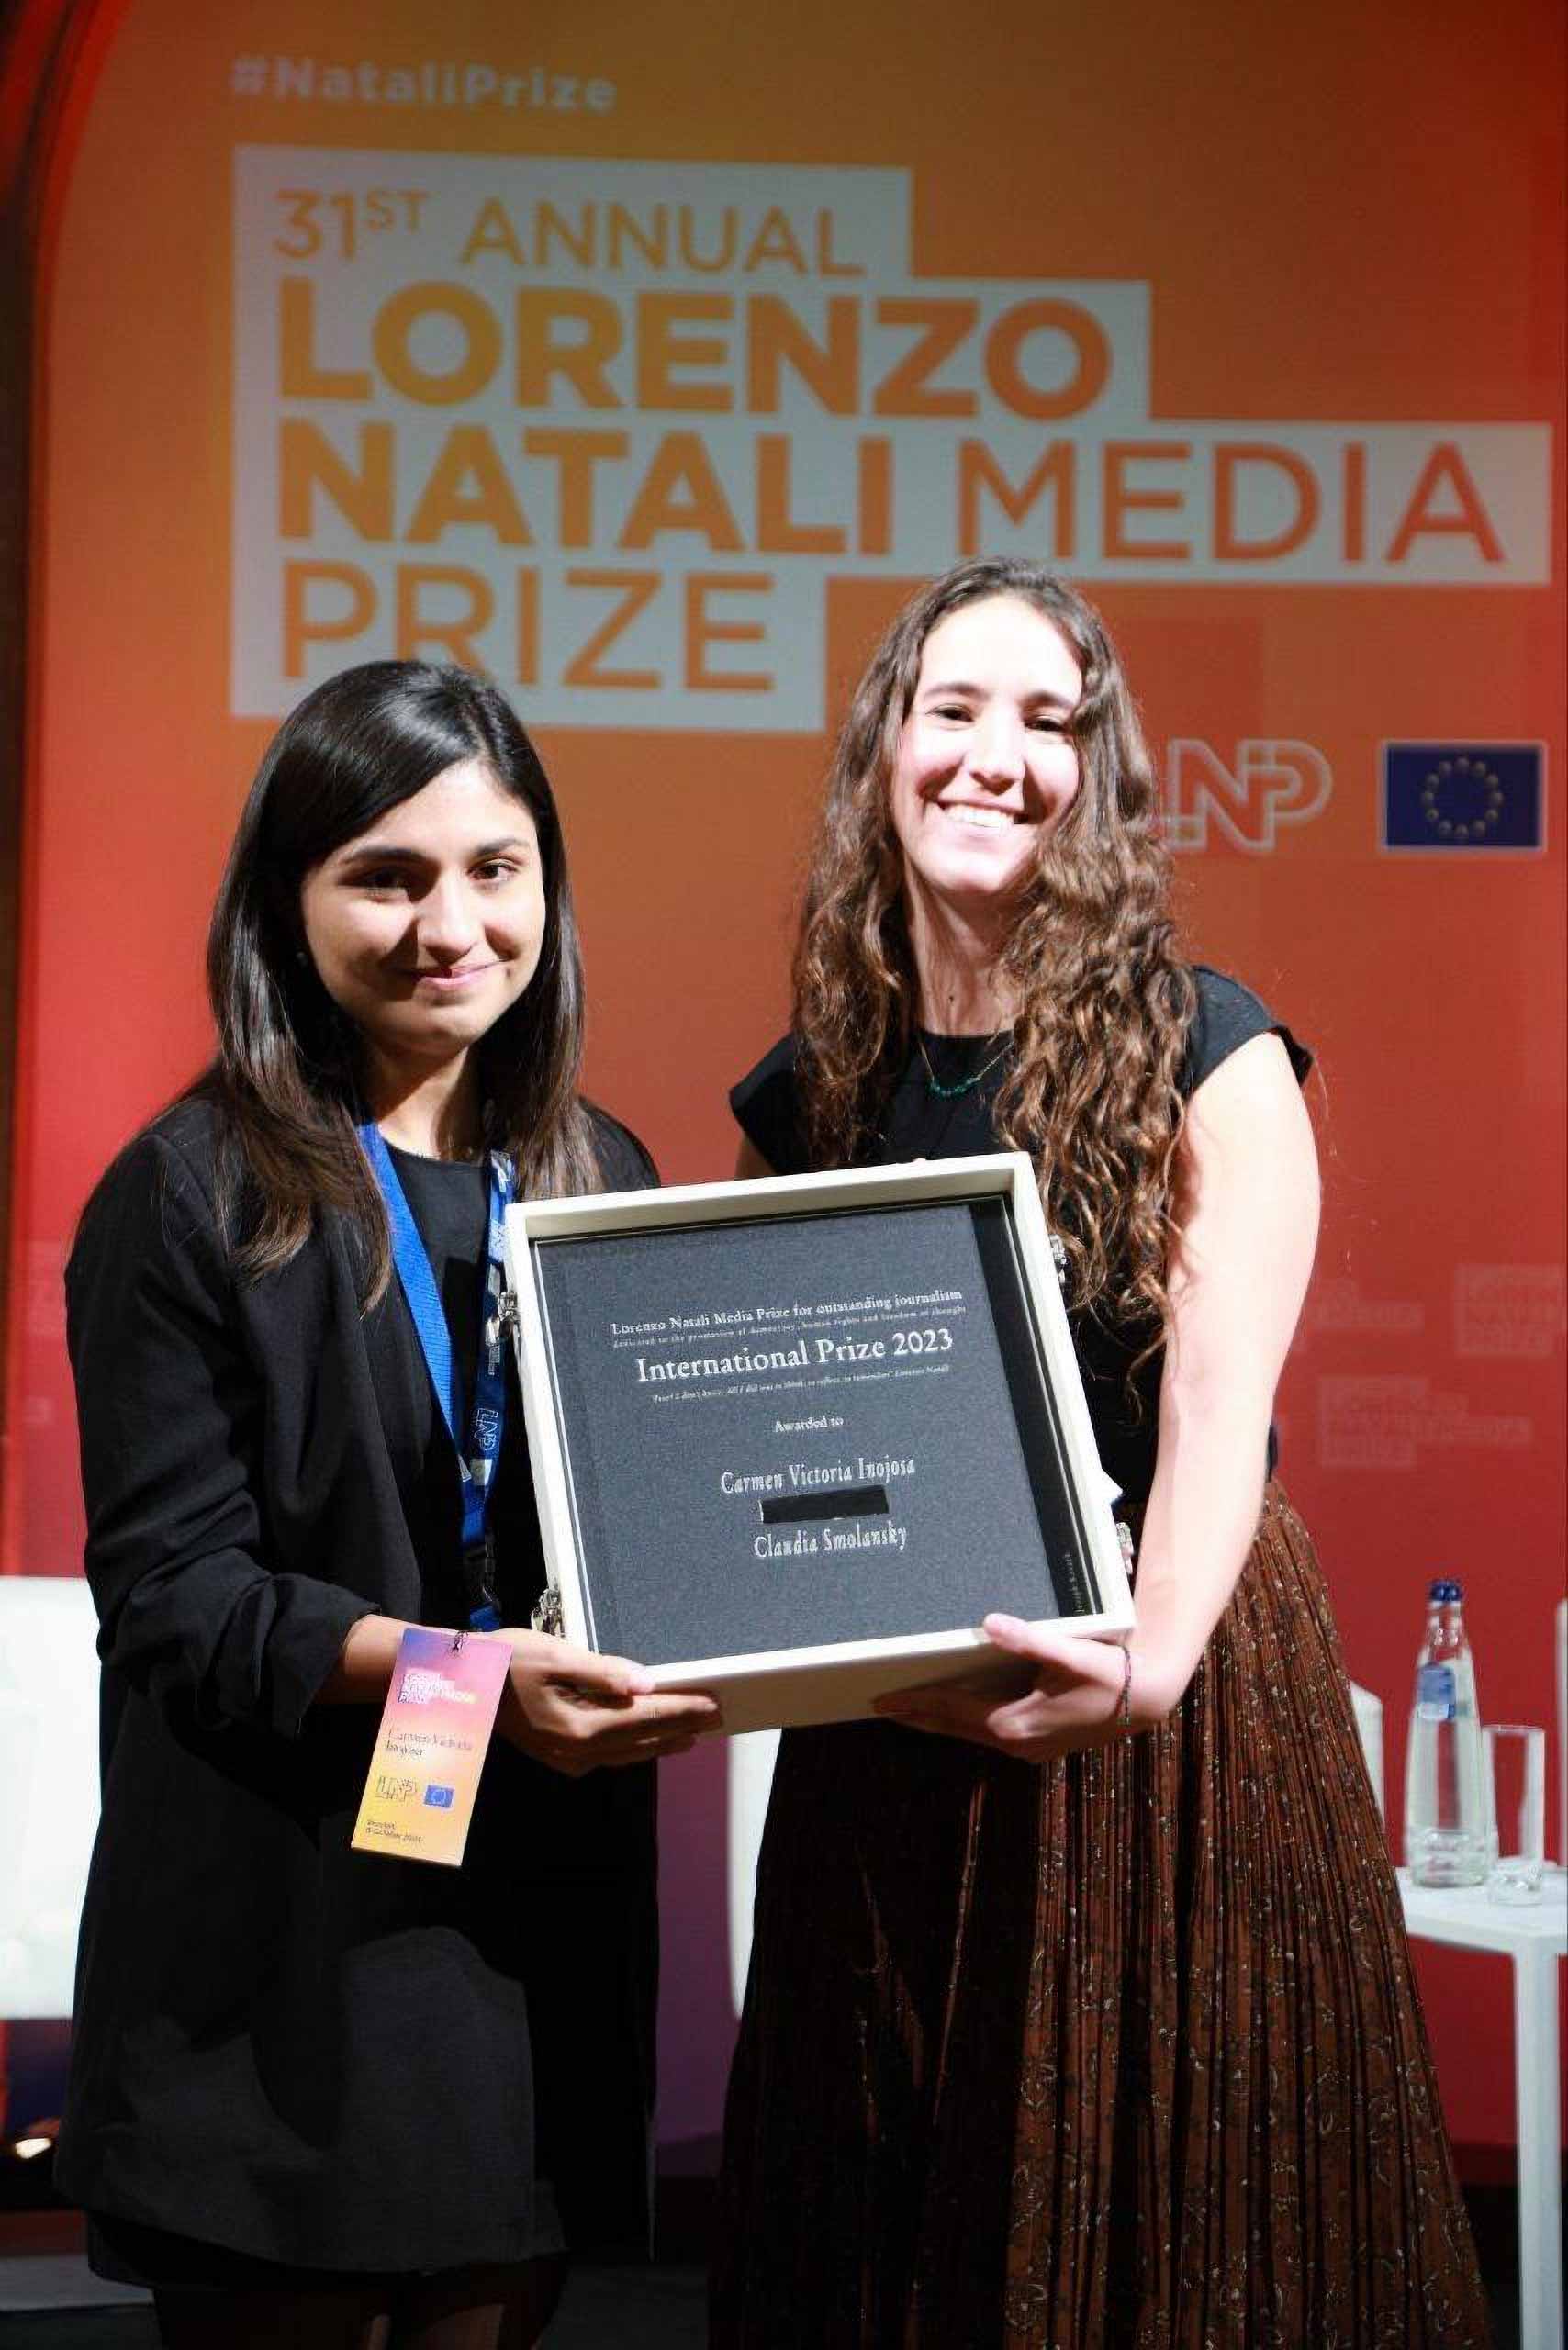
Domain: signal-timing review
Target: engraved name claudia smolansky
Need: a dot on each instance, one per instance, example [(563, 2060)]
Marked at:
[(801, 1541)]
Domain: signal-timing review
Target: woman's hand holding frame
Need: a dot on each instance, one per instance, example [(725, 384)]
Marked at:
[(575, 1711)]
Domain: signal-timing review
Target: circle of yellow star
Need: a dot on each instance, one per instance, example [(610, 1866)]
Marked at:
[(1436, 795)]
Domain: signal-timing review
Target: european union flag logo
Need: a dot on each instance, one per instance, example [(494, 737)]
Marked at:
[(1462, 796), (440, 1797)]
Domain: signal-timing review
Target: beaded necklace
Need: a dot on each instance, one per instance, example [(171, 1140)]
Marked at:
[(966, 1085)]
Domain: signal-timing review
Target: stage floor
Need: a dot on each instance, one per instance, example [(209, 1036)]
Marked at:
[(53, 2303), (50, 2301)]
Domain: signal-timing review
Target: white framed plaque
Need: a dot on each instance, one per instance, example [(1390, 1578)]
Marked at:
[(791, 1439)]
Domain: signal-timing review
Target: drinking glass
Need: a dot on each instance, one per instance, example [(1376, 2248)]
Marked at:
[(1516, 1781)]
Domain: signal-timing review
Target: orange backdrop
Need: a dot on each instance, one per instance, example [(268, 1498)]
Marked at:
[(652, 371)]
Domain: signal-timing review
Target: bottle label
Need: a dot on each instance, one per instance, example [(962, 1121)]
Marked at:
[(1434, 1694)]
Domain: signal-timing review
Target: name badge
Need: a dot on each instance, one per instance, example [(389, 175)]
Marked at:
[(435, 1726)]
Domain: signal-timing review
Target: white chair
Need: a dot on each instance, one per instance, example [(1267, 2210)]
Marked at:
[(49, 1770), (751, 1760)]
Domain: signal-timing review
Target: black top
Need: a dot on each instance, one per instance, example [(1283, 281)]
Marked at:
[(282, 2047), (919, 1123), (451, 1204)]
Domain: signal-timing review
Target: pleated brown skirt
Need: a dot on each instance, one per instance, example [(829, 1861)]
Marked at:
[(1123, 2050)]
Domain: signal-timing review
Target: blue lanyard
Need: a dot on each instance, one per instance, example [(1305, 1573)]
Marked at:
[(476, 1462)]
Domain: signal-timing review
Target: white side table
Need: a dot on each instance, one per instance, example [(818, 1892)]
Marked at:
[(1535, 1937)]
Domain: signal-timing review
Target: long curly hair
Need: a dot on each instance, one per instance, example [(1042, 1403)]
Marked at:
[(284, 1081), (1104, 997)]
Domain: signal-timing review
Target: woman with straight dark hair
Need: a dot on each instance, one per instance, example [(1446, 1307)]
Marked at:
[(1082, 2021), (319, 2096)]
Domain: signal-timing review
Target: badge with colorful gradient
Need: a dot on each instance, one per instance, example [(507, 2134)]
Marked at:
[(424, 1774)]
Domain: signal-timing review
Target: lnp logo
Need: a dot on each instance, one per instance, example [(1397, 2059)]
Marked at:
[(1460, 798), (1271, 783)]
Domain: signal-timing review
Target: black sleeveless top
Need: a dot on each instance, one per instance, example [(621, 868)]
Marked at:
[(919, 1123)]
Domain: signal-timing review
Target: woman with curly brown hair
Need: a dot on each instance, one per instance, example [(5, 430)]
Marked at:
[(1084, 2019)]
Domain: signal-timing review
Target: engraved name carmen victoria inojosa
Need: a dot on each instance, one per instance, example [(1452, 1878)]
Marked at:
[(831, 1489)]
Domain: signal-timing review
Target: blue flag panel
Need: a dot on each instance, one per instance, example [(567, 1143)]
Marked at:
[(1460, 797)]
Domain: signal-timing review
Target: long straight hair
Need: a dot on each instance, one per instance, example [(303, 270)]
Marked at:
[(285, 1083)]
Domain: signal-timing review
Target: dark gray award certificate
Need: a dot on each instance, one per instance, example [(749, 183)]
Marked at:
[(781, 1431)]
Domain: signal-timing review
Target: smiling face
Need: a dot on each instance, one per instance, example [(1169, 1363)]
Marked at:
[(987, 766), (427, 927)]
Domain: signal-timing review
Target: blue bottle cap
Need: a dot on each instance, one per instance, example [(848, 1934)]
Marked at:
[(1445, 1591)]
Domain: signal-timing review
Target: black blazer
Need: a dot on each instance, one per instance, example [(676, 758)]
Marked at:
[(284, 2047)]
